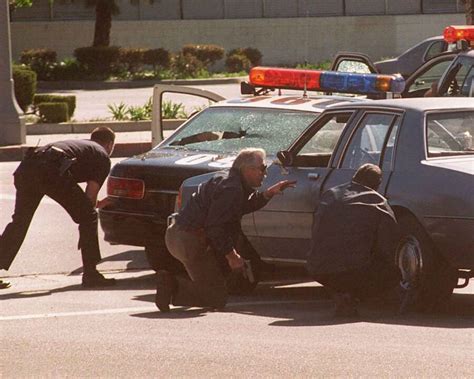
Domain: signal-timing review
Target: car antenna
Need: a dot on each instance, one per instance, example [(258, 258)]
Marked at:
[(305, 90)]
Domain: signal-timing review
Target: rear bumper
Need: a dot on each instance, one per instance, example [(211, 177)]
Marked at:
[(138, 229)]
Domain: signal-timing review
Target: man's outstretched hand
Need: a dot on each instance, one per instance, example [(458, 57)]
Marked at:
[(278, 188), (235, 261)]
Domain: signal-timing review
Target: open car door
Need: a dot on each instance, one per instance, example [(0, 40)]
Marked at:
[(353, 62), (157, 115)]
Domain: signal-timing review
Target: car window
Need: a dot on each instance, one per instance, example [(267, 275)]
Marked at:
[(317, 150), (435, 49), (367, 142), (229, 129), (388, 153), (430, 76), (460, 78), (450, 133)]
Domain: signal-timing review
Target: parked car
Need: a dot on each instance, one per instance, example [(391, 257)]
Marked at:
[(145, 186), (452, 72), (424, 147)]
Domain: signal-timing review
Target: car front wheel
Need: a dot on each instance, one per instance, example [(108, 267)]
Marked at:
[(427, 282)]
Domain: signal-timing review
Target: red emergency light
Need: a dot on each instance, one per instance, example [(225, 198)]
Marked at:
[(456, 33), (285, 78)]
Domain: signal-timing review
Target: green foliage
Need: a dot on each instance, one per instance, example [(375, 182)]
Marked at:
[(53, 112), (68, 69), (157, 58), (172, 110), (40, 61), (237, 63), (252, 54), (119, 111), (207, 54), (186, 66), (70, 100), (98, 60), (24, 81)]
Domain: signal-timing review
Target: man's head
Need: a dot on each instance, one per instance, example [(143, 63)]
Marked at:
[(368, 175), (105, 137), (251, 164)]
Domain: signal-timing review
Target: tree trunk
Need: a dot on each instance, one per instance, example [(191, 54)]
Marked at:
[(470, 12), (103, 23)]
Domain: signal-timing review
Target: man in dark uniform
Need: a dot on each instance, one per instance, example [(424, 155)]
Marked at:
[(55, 170), (355, 234), (205, 232)]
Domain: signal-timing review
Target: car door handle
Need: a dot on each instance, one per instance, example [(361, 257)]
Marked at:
[(313, 176)]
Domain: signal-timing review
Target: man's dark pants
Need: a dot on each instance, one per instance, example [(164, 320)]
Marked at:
[(364, 282), (34, 179)]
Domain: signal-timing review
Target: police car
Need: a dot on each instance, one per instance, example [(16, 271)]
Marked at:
[(145, 186), (452, 72)]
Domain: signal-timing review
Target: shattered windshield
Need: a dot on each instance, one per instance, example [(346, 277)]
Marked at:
[(450, 134), (227, 129)]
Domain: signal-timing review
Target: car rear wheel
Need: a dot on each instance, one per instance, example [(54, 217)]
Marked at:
[(159, 258), (427, 281)]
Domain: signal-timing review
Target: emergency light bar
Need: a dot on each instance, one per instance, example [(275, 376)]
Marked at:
[(456, 33), (325, 81)]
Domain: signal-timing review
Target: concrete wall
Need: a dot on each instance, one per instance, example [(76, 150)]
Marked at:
[(281, 40)]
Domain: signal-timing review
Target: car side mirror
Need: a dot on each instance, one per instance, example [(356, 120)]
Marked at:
[(285, 157)]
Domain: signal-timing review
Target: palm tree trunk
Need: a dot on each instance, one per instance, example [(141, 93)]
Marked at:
[(103, 23), (470, 12)]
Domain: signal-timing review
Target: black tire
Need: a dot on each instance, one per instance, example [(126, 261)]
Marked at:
[(159, 258), (427, 282)]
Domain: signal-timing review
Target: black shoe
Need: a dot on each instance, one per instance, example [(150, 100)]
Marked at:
[(96, 279), (4, 285), (165, 287)]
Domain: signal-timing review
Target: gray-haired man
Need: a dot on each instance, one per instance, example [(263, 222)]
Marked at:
[(208, 227)]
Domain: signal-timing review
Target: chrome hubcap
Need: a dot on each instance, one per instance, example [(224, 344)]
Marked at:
[(410, 262)]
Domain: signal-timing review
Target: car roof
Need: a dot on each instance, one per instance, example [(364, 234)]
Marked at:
[(293, 102), (419, 104)]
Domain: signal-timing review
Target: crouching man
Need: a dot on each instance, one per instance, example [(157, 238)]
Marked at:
[(354, 237), (206, 231)]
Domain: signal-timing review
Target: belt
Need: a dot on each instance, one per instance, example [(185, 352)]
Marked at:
[(54, 155), (171, 220)]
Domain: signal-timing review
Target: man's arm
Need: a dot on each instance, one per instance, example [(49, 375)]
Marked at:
[(92, 190)]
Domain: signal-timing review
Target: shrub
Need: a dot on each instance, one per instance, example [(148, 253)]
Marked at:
[(119, 111), (41, 61), (207, 54), (172, 110), (70, 100), (237, 63), (24, 84), (157, 57), (98, 59), (252, 54), (53, 112), (68, 69), (132, 58), (186, 65)]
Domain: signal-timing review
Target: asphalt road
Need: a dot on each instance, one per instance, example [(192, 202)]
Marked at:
[(50, 326)]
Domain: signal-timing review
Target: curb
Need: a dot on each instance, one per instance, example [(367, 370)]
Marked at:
[(104, 85)]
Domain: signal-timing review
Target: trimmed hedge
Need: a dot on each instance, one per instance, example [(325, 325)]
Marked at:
[(157, 57), (186, 65), (237, 63), (70, 100), (207, 54), (98, 59), (53, 112), (131, 58), (41, 61), (252, 54), (24, 84)]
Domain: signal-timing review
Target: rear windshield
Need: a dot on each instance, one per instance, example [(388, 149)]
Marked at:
[(450, 134), (227, 129)]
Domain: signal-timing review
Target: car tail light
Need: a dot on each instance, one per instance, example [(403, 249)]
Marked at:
[(328, 81), (456, 33), (124, 187)]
